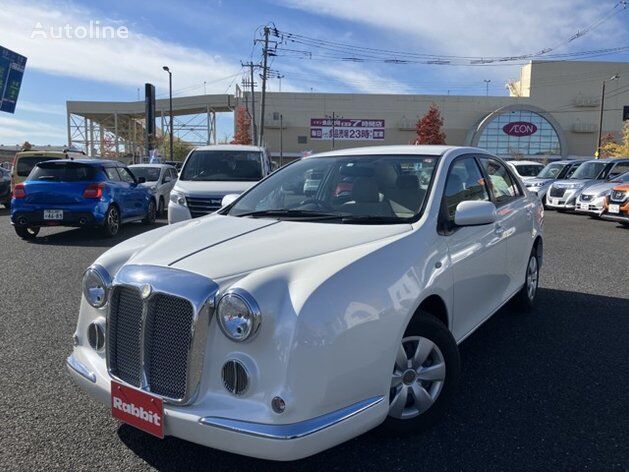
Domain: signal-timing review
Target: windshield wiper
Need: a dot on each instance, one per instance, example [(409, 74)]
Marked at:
[(319, 215), (372, 219)]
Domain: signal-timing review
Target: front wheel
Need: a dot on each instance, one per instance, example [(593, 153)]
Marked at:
[(150, 215), (160, 207), (425, 375), (26, 232), (526, 296)]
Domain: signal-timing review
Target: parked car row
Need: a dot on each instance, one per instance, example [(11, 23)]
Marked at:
[(597, 187)]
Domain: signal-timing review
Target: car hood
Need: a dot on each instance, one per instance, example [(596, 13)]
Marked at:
[(565, 182), (219, 246), (602, 187), (202, 189)]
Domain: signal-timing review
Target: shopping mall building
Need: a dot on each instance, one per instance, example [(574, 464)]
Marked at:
[(551, 111)]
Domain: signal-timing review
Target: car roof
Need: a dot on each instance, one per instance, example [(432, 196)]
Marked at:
[(229, 147), (526, 163), (408, 149), (93, 162), (160, 166)]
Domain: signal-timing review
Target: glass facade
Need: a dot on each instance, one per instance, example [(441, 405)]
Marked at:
[(510, 134)]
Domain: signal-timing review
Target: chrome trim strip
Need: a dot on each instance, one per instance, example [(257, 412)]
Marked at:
[(80, 369), (294, 430)]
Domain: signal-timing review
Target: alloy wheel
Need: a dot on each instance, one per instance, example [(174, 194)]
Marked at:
[(418, 377), (112, 220), (531, 278)]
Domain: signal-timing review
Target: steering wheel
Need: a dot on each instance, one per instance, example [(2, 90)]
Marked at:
[(320, 204)]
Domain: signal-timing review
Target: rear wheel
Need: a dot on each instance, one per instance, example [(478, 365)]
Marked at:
[(425, 375), (160, 207), (26, 232), (526, 296), (150, 215), (112, 222)]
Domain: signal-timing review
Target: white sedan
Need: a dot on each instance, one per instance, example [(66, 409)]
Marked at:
[(160, 178), (292, 321)]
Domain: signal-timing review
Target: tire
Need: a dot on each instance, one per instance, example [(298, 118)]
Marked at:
[(160, 207), (525, 298), (111, 226), (26, 232), (150, 215), (434, 385)]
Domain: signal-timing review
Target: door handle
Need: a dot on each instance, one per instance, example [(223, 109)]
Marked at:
[(499, 230)]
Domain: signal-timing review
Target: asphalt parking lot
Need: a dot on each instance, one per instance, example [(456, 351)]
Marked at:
[(541, 391)]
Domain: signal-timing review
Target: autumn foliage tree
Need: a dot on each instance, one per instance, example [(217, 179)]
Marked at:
[(243, 127), (429, 127), (611, 148)]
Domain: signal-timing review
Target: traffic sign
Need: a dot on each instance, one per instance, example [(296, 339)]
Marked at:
[(12, 67)]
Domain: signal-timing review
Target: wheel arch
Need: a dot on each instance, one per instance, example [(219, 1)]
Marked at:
[(436, 306), (538, 247)]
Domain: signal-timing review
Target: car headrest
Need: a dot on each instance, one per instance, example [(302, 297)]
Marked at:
[(407, 181), (365, 190), (357, 171), (386, 175)]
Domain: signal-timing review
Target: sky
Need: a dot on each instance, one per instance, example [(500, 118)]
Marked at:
[(205, 41)]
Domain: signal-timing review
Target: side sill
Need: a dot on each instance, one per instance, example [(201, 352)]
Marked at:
[(294, 430)]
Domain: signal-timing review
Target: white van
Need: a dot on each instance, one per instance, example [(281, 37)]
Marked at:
[(211, 172)]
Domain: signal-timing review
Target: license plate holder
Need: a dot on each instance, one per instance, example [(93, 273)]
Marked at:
[(53, 215), (613, 208), (584, 206), (137, 408)]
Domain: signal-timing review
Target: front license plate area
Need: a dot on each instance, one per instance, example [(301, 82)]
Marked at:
[(614, 208), (585, 206), (137, 408), (555, 201), (53, 215)]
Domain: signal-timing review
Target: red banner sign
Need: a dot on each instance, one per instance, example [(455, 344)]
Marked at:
[(519, 128)]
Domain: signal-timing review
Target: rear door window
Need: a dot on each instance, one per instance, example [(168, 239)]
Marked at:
[(125, 175), (63, 172), (25, 164), (112, 174)]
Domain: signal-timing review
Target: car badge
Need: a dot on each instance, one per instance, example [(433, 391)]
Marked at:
[(146, 291)]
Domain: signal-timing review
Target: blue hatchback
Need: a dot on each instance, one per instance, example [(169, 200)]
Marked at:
[(80, 193)]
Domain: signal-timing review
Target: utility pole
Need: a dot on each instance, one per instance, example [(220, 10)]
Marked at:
[(265, 54), (487, 81), (170, 102), (254, 126), (333, 117), (597, 154)]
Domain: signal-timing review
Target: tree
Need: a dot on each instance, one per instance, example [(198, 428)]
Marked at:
[(429, 126), (611, 148), (181, 148), (27, 146), (243, 127)]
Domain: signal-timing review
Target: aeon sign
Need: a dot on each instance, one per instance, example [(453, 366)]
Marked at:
[(519, 128)]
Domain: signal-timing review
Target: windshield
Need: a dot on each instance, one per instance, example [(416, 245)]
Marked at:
[(621, 178), (150, 174), (588, 170), (528, 170), (343, 189), (551, 171), (63, 172), (223, 166)]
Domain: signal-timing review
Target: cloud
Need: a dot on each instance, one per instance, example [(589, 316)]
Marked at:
[(478, 28), (46, 108), (127, 62), (14, 131)]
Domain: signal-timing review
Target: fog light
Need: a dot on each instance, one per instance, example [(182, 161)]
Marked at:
[(278, 404), (96, 334)]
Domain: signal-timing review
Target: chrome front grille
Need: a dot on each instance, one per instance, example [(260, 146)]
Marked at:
[(157, 329), (618, 196), (557, 192), (201, 206), (168, 338), (124, 332)]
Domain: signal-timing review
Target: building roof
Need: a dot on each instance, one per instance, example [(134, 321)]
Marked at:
[(422, 149)]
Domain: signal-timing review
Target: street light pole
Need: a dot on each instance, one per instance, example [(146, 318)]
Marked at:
[(597, 154), (281, 140), (170, 103), (487, 81)]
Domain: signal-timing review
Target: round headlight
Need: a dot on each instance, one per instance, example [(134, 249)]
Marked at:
[(238, 315), (96, 283)]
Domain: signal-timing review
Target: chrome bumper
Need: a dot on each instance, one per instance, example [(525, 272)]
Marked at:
[(80, 368)]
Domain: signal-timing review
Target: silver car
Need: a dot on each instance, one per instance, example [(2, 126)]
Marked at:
[(554, 171), (592, 200), (563, 194), (160, 178)]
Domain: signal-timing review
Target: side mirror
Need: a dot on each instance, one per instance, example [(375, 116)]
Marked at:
[(474, 213), (229, 199), (141, 180)]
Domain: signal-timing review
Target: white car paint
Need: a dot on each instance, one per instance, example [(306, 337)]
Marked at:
[(515, 165), (335, 301), (164, 185), (213, 191)]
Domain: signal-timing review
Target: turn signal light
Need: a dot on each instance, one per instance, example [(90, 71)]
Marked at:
[(18, 191), (93, 191)]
